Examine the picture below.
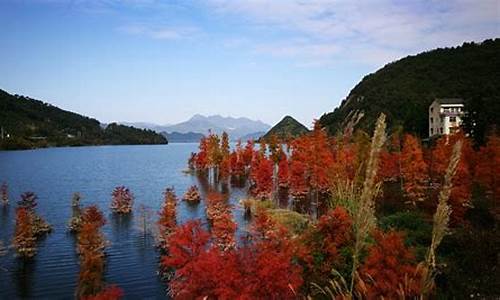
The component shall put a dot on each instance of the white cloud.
(374, 32)
(160, 32)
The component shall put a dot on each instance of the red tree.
(109, 293)
(252, 272)
(320, 246)
(262, 176)
(487, 169)
(390, 160)
(167, 221)
(389, 271)
(223, 230)
(413, 169)
(201, 162)
(90, 247)
(24, 236)
(461, 191)
(248, 153)
(4, 193)
(122, 200)
(311, 164)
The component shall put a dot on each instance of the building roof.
(450, 101)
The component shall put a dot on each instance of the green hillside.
(404, 89)
(28, 123)
(287, 128)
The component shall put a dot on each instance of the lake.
(54, 174)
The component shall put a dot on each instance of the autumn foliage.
(24, 236)
(90, 247)
(167, 217)
(389, 271)
(122, 200)
(4, 193)
(192, 195)
(262, 177)
(487, 169)
(109, 293)
(414, 170)
(461, 191)
(250, 272)
(321, 246)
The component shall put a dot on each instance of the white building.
(445, 116)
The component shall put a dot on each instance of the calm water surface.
(54, 175)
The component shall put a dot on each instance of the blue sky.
(163, 61)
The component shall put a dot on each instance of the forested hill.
(404, 89)
(287, 128)
(28, 123)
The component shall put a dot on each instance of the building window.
(432, 109)
(432, 120)
(432, 131)
(453, 119)
(441, 130)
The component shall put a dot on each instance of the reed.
(364, 220)
(440, 221)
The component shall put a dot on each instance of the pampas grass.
(359, 202)
(441, 220)
(364, 220)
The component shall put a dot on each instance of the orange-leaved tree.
(413, 169)
(167, 221)
(24, 236)
(389, 271)
(487, 170)
(461, 190)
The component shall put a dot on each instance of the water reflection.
(5, 212)
(23, 277)
(120, 225)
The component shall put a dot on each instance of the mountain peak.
(287, 128)
(197, 117)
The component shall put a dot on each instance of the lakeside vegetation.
(366, 218)
(385, 217)
(28, 123)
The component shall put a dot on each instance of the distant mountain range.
(188, 131)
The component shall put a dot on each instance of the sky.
(164, 61)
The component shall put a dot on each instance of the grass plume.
(364, 219)
(441, 220)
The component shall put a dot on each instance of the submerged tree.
(192, 195)
(262, 177)
(4, 193)
(24, 236)
(76, 219)
(29, 202)
(167, 221)
(90, 247)
(122, 200)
